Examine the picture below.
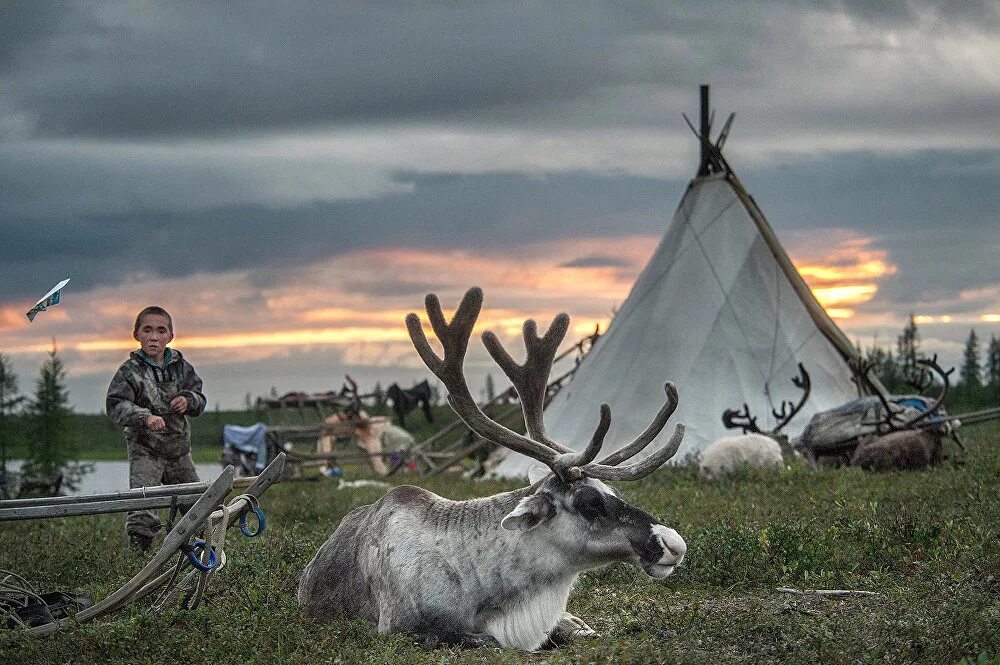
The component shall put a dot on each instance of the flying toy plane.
(50, 298)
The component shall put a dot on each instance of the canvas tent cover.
(720, 312)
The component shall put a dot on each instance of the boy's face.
(154, 335)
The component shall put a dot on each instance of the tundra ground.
(925, 542)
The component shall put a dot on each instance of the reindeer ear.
(529, 513)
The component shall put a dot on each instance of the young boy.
(151, 396)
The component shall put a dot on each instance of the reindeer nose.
(671, 542)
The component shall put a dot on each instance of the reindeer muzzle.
(662, 552)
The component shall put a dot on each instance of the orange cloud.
(844, 272)
(356, 302)
(849, 294)
(11, 318)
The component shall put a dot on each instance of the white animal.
(497, 570)
(733, 452)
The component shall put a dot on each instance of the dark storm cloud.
(178, 69)
(441, 211)
(24, 25)
(210, 69)
(596, 262)
(935, 212)
(889, 194)
(907, 12)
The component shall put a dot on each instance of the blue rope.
(195, 561)
(261, 522)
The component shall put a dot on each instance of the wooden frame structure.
(205, 502)
(310, 411)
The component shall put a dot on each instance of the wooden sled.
(204, 507)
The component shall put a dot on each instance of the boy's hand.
(179, 404)
(155, 423)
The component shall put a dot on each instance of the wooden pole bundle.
(140, 498)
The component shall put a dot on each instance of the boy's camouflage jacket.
(140, 389)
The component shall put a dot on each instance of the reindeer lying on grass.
(755, 448)
(497, 570)
(909, 443)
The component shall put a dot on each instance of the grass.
(924, 541)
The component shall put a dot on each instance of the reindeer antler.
(932, 366)
(801, 382)
(732, 418)
(351, 390)
(862, 370)
(529, 380)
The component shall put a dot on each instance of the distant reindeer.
(755, 448)
(405, 400)
(496, 570)
(913, 442)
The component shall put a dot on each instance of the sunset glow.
(350, 308)
(844, 273)
(854, 294)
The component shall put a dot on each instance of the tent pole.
(703, 168)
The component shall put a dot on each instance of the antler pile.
(530, 380)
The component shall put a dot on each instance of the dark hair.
(152, 309)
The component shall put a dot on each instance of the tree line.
(978, 380)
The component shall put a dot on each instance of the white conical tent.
(721, 312)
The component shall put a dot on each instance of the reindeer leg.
(433, 639)
(569, 628)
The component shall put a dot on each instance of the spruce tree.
(9, 402)
(992, 369)
(969, 375)
(49, 444)
(908, 348)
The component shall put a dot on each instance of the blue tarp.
(248, 440)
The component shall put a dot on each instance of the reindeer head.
(570, 511)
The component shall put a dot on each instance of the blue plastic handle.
(261, 522)
(196, 562)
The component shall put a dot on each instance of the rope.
(216, 533)
(256, 510)
(213, 554)
(16, 593)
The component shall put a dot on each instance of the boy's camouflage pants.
(145, 470)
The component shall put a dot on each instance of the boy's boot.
(138, 541)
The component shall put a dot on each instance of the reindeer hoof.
(570, 628)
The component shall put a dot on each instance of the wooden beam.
(186, 527)
(157, 491)
(95, 507)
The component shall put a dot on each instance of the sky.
(290, 179)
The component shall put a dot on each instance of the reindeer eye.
(590, 503)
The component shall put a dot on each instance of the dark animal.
(496, 570)
(884, 432)
(900, 450)
(405, 400)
